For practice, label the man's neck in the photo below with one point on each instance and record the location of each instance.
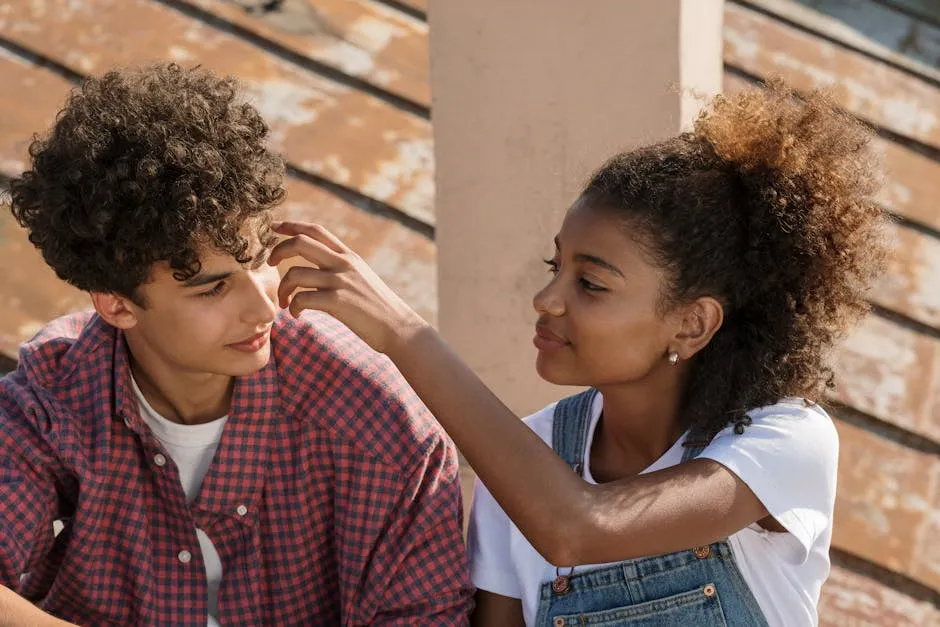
(184, 398)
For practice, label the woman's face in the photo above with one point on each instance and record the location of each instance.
(599, 320)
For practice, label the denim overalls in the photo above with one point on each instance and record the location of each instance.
(701, 587)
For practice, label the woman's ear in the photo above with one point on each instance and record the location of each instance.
(700, 320)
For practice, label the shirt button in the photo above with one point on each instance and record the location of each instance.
(241, 510)
(159, 459)
(127, 422)
(184, 556)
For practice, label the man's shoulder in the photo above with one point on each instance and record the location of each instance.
(50, 364)
(334, 379)
(52, 354)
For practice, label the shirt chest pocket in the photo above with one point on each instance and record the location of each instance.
(699, 607)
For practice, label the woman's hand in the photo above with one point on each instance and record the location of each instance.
(342, 285)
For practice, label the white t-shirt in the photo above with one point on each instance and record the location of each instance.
(788, 457)
(191, 447)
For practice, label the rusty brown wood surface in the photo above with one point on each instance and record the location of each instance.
(887, 371)
(420, 5)
(883, 95)
(324, 127)
(912, 185)
(888, 504)
(850, 599)
(360, 38)
(30, 294)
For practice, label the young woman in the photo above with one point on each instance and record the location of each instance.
(697, 287)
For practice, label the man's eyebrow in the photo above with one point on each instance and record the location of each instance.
(597, 261)
(206, 279)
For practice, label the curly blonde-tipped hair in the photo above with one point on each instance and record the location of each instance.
(767, 206)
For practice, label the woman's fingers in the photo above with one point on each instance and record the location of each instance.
(304, 278)
(315, 232)
(312, 300)
(304, 246)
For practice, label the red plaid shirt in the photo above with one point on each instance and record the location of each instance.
(333, 498)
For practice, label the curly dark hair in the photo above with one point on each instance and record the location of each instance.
(146, 165)
(766, 206)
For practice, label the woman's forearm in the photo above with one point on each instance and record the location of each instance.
(15, 611)
(535, 488)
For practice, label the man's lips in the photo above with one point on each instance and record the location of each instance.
(252, 343)
(545, 339)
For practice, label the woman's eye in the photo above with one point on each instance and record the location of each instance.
(591, 287)
(217, 289)
(552, 265)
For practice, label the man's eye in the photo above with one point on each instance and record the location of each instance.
(217, 289)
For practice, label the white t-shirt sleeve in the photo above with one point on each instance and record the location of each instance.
(488, 546)
(788, 456)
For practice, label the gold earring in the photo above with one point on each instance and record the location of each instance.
(673, 358)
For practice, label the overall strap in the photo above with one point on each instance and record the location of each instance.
(570, 428)
(694, 444)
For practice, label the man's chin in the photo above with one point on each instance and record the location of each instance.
(247, 365)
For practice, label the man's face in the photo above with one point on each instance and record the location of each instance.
(217, 322)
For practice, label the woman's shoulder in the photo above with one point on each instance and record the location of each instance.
(791, 418)
(791, 431)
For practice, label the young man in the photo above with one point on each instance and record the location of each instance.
(212, 460)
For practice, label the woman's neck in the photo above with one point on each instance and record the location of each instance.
(640, 422)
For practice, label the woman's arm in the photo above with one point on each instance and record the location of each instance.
(566, 519)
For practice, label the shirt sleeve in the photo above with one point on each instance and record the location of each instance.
(28, 500)
(416, 573)
(788, 456)
(488, 545)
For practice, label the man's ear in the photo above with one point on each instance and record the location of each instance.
(118, 311)
(701, 319)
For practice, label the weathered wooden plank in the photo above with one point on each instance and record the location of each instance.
(913, 179)
(360, 38)
(30, 294)
(849, 598)
(325, 128)
(885, 96)
(888, 371)
(875, 28)
(909, 283)
(420, 5)
(888, 504)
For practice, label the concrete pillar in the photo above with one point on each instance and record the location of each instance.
(528, 98)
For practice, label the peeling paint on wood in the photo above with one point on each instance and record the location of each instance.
(888, 504)
(886, 371)
(872, 90)
(311, 118)
(849, 598)
(360, 38)
(897, 31)
(30, 294)
(912, 184)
